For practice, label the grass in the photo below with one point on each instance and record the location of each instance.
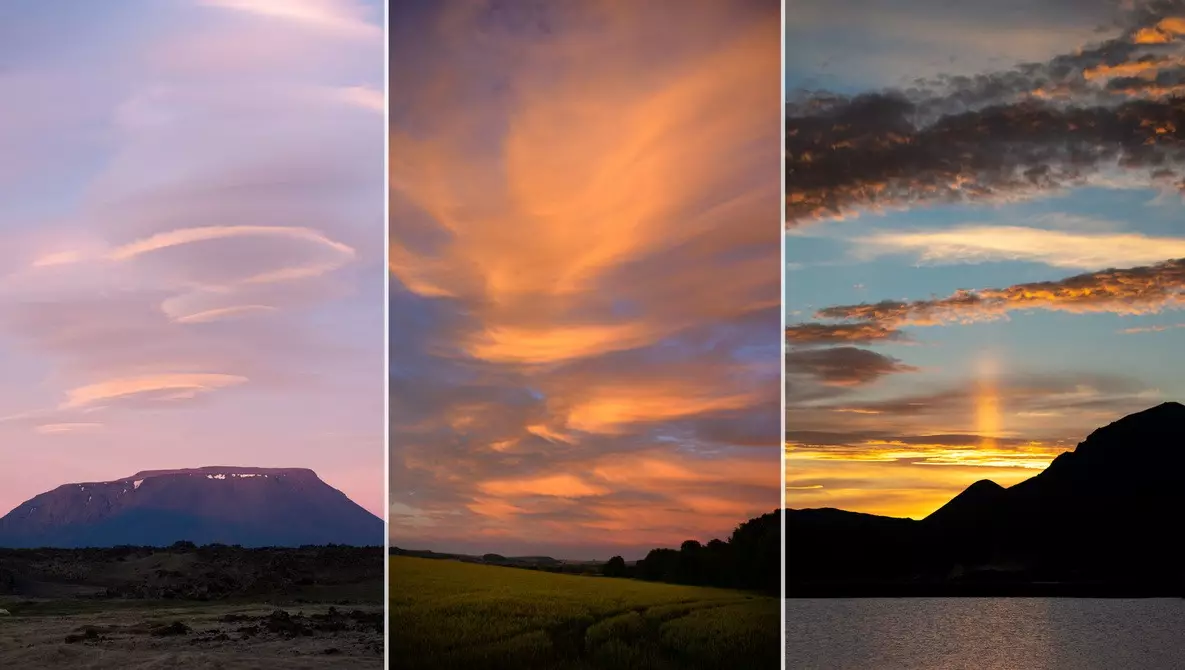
(447, 614)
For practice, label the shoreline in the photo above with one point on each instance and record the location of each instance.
(1017, 590)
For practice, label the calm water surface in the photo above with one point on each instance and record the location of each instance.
(985, 634)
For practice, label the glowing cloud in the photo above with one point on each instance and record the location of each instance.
(362, 96)
(559, 486)
(57, 428)
(611, 411)
(223, 313)
(177, 385)
(192, 235)
(1058, 248)
(562, 224)
(57, 258)
(344, 16)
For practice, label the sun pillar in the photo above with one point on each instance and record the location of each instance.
(987, 402)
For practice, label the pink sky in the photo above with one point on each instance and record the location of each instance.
(191, 241)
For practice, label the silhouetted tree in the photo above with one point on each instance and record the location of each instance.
(750, 559)
(757, 551)
(615, 567)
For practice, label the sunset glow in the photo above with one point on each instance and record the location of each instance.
(584, 274)
(980, 225)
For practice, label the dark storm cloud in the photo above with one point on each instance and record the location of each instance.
(843, 366)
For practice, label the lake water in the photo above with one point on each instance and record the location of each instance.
(985, 634)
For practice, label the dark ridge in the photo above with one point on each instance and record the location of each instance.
(1103, 518)
(247, 506)
(976, 501)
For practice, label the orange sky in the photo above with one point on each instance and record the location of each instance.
(564, 208)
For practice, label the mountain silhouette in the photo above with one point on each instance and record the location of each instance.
(1108, 512)
(252, 507)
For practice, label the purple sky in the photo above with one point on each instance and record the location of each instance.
(191, 240)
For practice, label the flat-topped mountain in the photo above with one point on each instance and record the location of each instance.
(249, 506)
(1109, 511)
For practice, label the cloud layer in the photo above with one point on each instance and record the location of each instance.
(995, 137)
(872, 432)
(569, 373)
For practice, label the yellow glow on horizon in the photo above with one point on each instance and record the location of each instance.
(1031, 456)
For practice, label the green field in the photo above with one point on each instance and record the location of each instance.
(448, 614)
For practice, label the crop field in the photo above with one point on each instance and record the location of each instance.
(448, 614)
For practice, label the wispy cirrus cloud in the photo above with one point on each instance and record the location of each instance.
(352, 18)
(567, 359)
(1057, 248)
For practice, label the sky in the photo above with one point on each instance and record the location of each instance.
(585, 274)
(191, 240)
(983, 239)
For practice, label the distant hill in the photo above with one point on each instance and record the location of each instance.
(1107, 513)
(491, 559)
(252, 507)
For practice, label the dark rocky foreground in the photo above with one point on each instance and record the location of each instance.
(192, 607)
(188, 572)
(277, 624)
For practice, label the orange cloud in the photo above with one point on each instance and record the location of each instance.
(1138, 290)
(561, 219)
(176, 385)
(823, 333)
(612, 410)
(1146, 66)
(543, 344)
(559, 486)
(663, 471)
(1164, 31)
(588, 179)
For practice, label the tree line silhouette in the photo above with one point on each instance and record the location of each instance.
(750, 559)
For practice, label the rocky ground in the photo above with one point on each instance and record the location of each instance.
(197, 637)
(192, 607)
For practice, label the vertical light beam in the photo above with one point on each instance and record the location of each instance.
(987, 402)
